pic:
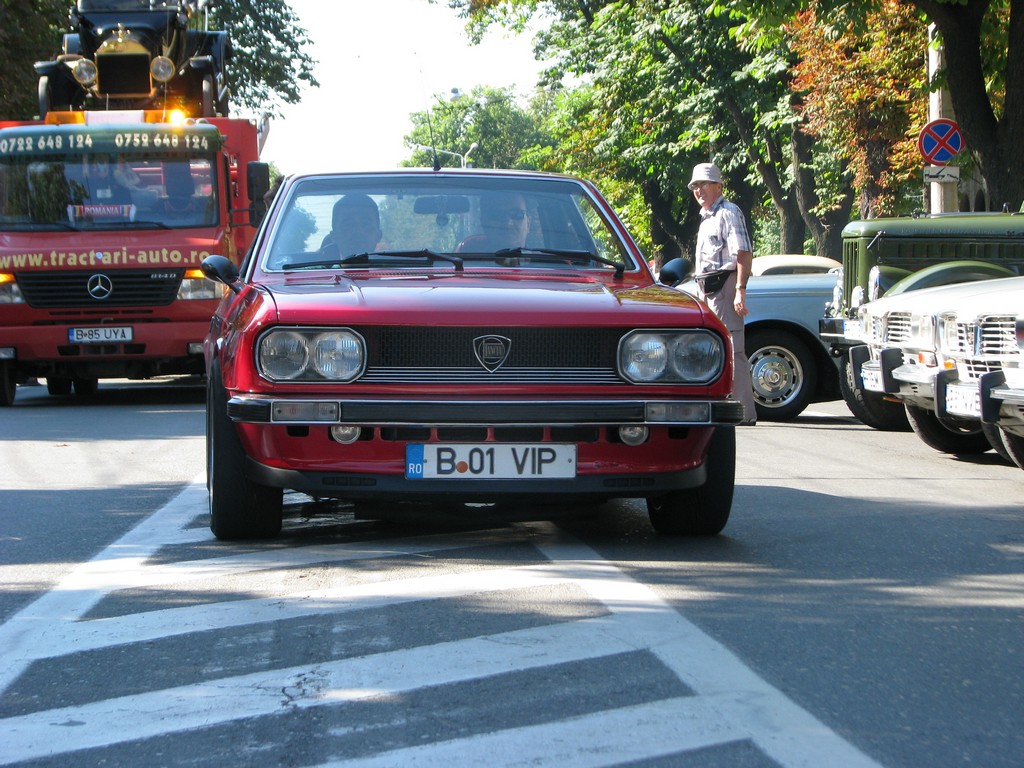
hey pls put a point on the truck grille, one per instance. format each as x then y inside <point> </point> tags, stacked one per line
<point>439,355</point>
<point>127,288</point>
<point>897,327</point>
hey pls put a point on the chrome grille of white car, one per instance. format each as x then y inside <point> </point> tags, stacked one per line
<point>897,327</point>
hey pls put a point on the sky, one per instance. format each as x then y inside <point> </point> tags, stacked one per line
<point>378,61</point>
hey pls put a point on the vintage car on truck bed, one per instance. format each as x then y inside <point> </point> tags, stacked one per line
<point>467,337</point>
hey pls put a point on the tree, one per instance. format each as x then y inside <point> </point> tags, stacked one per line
<point>30,31</point>
<point>865,96</point>
<point>983,42</point>
<point>267,68</point>
<point>505,134</point>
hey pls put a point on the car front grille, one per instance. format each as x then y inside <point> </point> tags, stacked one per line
<point>447,355</point>
<point>121,288</point>
<point>897,327</point>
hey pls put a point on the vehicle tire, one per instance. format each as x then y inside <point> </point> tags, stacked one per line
<point>58,385</point>
<point>1014,447</point>
<point>783,372</point>
<point>8,385</point>
<point>947,435</point>
<point>871,407</point>
<point>85,387</point>
<point>239,508</point>
<point>994,435</point>
<point>702,511</point>
<point>207,96</point>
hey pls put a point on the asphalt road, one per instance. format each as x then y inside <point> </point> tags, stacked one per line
<point>862,608</point>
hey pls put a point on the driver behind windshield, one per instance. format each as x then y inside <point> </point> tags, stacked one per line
<point>355,227</point>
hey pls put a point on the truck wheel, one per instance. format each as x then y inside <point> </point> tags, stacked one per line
<point>1014,445</point>
<point>783,373</point>
<point>702,511</point>
<point>947,435</point>
<point>239,508</point>
<point>871,407</point>
<point>58,385</point>
<point>8,385</point>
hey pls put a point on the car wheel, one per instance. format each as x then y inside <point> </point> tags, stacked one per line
<point>86,387</point>
<point>239,508</point>
<point>702,511</point>
<point>8,385</point>
<point>58,385</point>
<point>947,435</point>
<point>995,439</point>
<point>783,373</point>
<point>870,407</point>
<point>1014,445</point>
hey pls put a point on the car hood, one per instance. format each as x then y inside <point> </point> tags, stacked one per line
<point>461,299</point>
<point>942,298</point>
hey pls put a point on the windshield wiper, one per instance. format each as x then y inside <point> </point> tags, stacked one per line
<point>558,254</point>
<point>424,253</point>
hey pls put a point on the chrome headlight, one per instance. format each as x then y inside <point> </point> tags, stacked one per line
<point>84,71</point>
<point>922,330</point>
<point>162,69</point>
<point>10,293</point>
<point>671,357</point>
<point>311,354</point>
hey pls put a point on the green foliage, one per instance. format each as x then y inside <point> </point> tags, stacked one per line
<point>269,62</point>
<point>505,134</point>
<point>30,31</point>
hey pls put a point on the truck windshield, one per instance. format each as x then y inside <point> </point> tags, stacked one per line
<point>104,191</point>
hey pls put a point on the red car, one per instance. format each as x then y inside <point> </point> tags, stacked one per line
<point>461,337</point>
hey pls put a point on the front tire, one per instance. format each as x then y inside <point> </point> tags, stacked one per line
<point>8,384</point>
<point>784,374</point>
<point>870,407</point>
<point>947,435</point>
<point>705,510</point>
<point>1014,445</point>
<point>239,508</point>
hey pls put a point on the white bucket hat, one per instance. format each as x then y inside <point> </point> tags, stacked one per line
<point>705,172</point>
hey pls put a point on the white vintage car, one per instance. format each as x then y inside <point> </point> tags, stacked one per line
<point>981,342</point>
<point>905,361</point>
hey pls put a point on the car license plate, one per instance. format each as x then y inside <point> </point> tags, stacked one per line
<point>872,378</point>
<point>489,461</point>
<point>963,400</point>
<point>104,334</point>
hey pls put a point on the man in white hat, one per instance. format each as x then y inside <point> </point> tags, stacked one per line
<point>723,244</point>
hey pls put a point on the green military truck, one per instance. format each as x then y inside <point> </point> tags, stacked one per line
<point>888,256</point>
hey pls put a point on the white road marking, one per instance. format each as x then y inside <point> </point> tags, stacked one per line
<point>731,702</point>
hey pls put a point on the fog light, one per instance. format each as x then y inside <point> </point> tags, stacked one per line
<point>345,434</point>
<point>195,347</point>
<point>633,435</point>
<point>7,353</point>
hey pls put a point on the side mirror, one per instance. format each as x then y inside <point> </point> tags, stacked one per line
<point>257,177</point>
<point>675,272</point>
<point>222,270</point>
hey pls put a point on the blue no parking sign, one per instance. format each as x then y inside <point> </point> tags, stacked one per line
<point>940,141</point>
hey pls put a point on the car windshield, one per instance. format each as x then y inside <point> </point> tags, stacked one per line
<point>103,191</point>
<point>453,222</point>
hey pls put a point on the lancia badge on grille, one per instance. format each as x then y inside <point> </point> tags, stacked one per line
<point>492,351</point>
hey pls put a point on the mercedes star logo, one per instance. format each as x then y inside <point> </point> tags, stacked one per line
<point>100,287</point>
<point>492,351</point>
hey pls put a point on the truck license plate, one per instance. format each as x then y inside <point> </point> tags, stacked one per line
<point>489,461</point>
<point>963,400</point>
<point>104,334</point>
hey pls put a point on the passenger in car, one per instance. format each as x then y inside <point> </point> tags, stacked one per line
<point>355,227</point>
<point>505,221</point>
